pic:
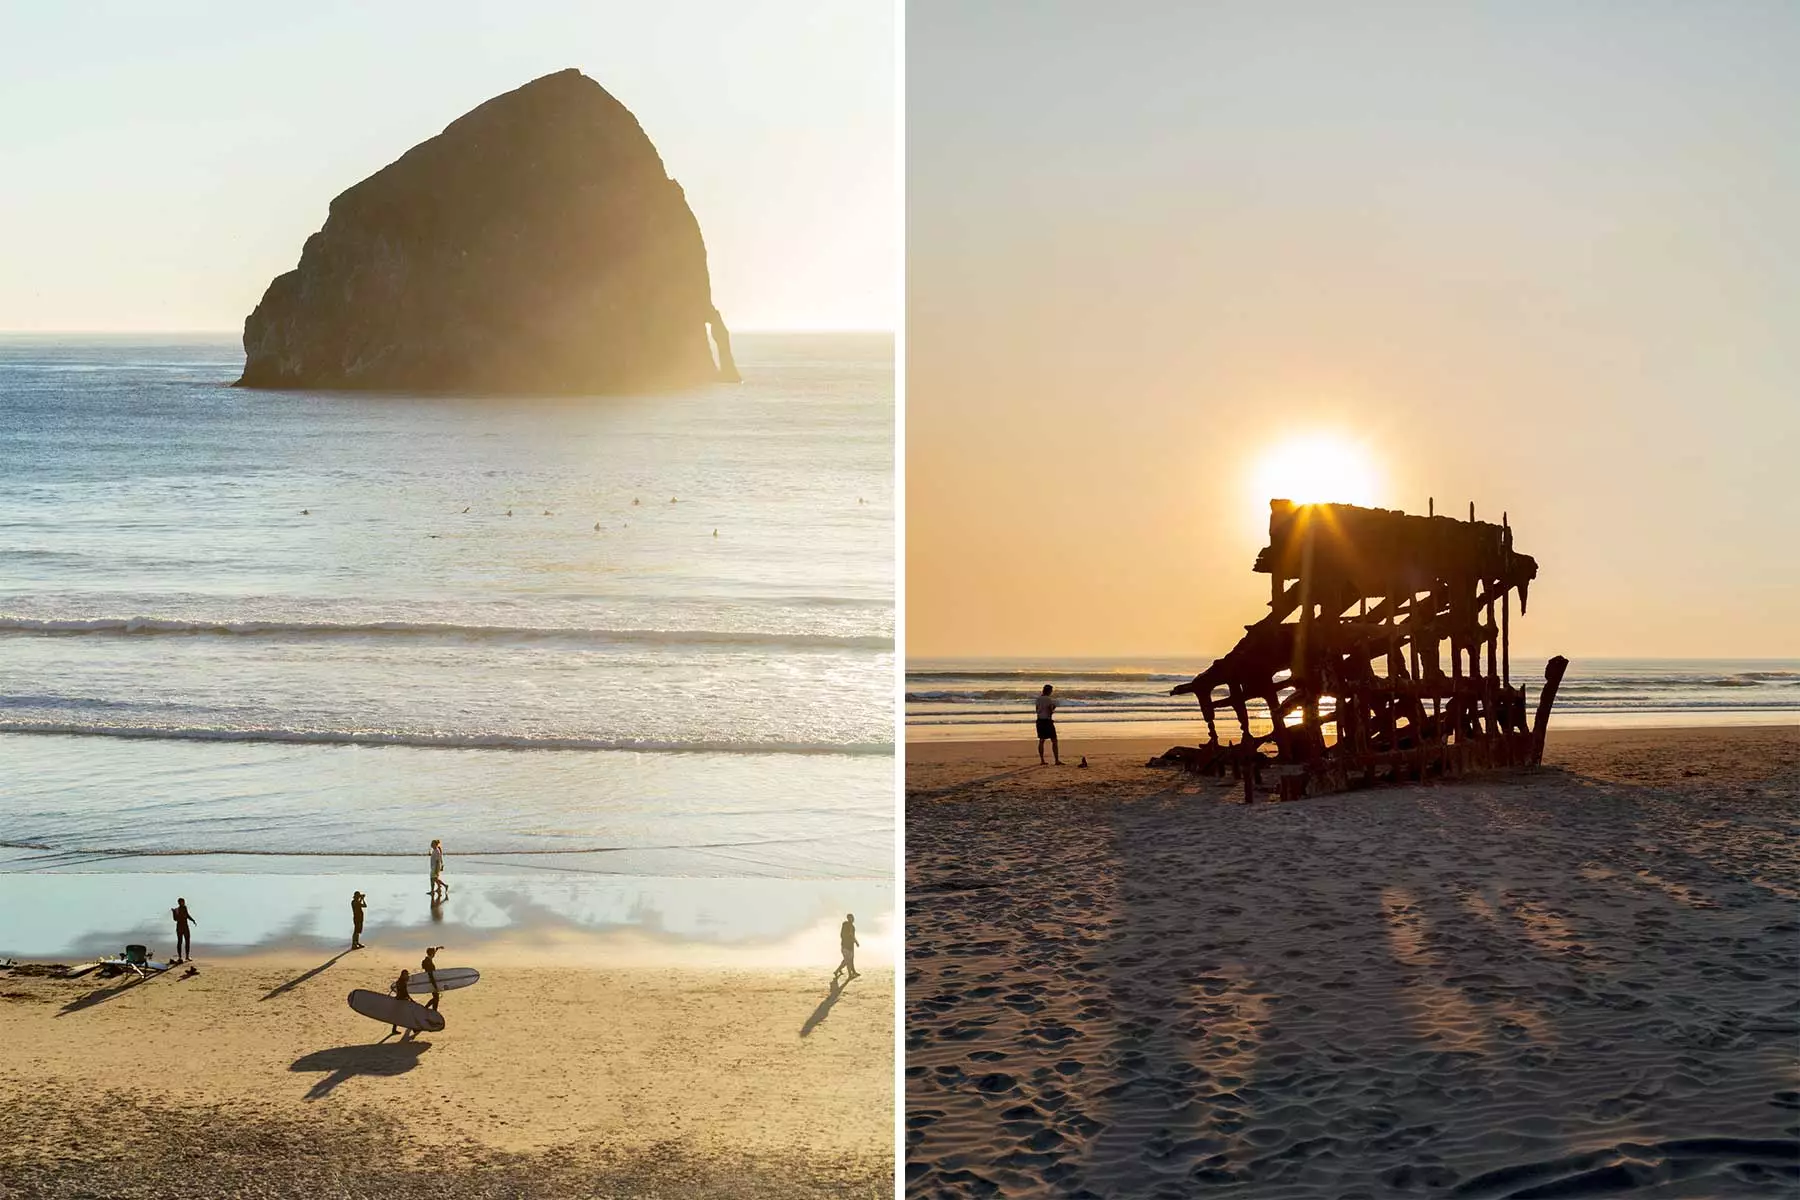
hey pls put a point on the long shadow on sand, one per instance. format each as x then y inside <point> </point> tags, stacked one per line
<point>102,995</point>
<point>1546,986</point>
<point>824,1010</point>
<point>345,1062</point>
<point>297,980</point>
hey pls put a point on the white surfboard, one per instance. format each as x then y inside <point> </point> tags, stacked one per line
<point>448,979</point>
<point>395,1011</point>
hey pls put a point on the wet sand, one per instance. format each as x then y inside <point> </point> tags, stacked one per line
<point>1581,980</point>
<point>253,1078</point>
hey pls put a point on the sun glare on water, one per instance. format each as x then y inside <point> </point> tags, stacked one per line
<point>1315,470</point>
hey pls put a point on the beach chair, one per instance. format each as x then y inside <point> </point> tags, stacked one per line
<point>137,958</point>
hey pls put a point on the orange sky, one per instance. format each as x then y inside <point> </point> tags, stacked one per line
<point>1550,267</point>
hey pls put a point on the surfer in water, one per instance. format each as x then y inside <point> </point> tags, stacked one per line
<point>357,904</point>
<point>848,943</point>
<point>184,942</point>
<point>428,964</point>
<point>439,889</point>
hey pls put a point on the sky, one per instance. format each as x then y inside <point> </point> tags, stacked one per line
<point>162,162</point>
<point>1542,257</point>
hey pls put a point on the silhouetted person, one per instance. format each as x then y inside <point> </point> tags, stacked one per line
<point>847,941</point>
<point>357,904</point>
<point>428,964</point>
<point>439,889</point>
<point>184,942</point>
<point>400,989</point>
<point>1046,726</point>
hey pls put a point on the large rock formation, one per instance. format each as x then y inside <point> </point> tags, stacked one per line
<point>536,245</point>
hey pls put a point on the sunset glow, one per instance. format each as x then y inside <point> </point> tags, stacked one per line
<point>1318,469</point>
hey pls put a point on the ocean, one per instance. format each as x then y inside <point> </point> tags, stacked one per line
<point>633,650</point>
<point>975,699</point>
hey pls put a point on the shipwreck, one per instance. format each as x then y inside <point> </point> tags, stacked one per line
<point>1385,656</point>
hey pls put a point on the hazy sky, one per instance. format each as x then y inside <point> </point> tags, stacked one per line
<point>1545,257</point>
<point>160,163</point>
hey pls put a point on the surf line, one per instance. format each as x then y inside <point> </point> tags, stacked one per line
<point>130,852</point>
<point>436,741</point>
<point>139,627</point>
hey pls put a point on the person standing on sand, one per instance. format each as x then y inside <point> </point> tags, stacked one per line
<point>848,943</point>
<point>1046,727</point>
<point>437,871</point>
<point>428,964</point>
<point>357,904</point>
<point>184,942</point>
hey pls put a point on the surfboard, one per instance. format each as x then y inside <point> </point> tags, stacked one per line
<point>154,968</point>
<point>395,1011</point>
<point>449,979</point>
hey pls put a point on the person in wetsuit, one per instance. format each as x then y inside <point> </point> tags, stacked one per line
<point>184,942</point>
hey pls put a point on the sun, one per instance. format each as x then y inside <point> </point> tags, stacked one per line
<point>1316,469</point>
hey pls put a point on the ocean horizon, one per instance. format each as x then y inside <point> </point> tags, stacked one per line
<point>971,699</point>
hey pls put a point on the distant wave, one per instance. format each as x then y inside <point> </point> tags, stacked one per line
<point>1058,676</point>
<point>155,626</point>
<point>218,852</point>
<point>454,741</point>
<point>1573,684</point>
<point>1020,695</point>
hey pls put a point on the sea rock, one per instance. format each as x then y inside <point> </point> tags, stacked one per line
<point>536,245</point>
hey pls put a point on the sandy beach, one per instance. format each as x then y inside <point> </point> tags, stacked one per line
<point>253,1078</point>
<point>1579,980</point>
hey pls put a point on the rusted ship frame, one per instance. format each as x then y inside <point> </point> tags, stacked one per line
<point>1353,589</point>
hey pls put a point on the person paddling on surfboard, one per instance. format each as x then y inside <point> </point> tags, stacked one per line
<point>429,965</point>
<point>847,941</point>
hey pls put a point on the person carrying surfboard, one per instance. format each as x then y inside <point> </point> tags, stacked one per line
<point>399,990</point>
<point>429,965</point>
<point>847,940</point>
<point>437,870</point>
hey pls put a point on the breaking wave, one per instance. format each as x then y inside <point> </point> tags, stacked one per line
<point>455,741</point>
<point>155,626</point>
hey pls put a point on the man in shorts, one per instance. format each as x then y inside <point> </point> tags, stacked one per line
<point>1046,726</point>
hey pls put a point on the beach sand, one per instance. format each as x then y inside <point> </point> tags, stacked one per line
<point>1579,980</point>
<point>253,1078</point>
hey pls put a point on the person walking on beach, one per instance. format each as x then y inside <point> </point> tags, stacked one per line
<point>847,941</point>
<point>184,942</point>
<point>439,889</point>
<point>428,964</point>
<point>357,904</point>
<point>1046,727</point>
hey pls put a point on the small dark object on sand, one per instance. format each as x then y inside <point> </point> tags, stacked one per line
<point>1082,763</point>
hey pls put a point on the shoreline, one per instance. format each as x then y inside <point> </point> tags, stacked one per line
<point>1072,732</point>
<point>75,916</point>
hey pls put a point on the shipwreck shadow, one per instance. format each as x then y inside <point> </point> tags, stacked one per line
<point>297,980</point>
<point>345,1062</point>
<point>824,1010</point>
